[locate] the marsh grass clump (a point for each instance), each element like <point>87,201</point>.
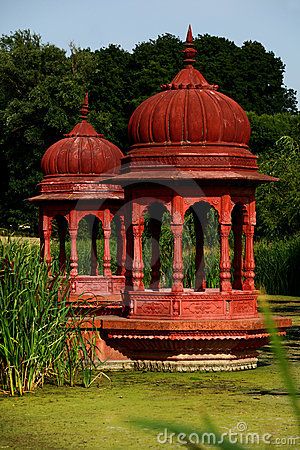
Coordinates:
<point>278,266</point>
<point>39,337</point>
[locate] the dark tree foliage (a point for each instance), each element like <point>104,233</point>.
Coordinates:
<point>41,89</point>
<point>249,74</point>
<point>154,63</point>
<point>278,204</point>
<point>106,75</point>
<point>38,101</point>
<point>268,129</point>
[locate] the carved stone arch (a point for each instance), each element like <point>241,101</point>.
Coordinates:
<point>203,211</point>
<point>60,216</point>
<point>214,202</point>
<point>55,212</point>
<point>147,234</point>
<point>156,209</point>
<point>60,225</point>
<point>242,206</point>
<point>148,202</point>
<point>203,205</point>
<point>88,260</point>
<point>83,214</point>
<point>239,215</point>
<point>246,212</point>
<point>118,236</point>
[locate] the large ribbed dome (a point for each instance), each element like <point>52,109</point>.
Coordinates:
<point>82,151</point>
<point>189,110</point>
<point>189,125</point>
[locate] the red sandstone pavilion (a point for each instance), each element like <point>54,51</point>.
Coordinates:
<point>189,151</point>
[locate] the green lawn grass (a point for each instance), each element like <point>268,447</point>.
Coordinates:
<point>102,417</point>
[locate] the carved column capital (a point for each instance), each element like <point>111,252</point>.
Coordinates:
<point>176,229</point>
<point>225,230</point>
<point>137,230</point>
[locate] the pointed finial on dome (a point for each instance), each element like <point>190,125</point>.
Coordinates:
<point>84,128</point>
<point>85,107</point>
<point>189,52</point>
<point>189,36</point>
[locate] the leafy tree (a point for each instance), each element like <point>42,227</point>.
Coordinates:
<point>154,63</point>
<point>278,204</point>
<point>263,77</point>
<point>38,102</point>
<point>249,74</point>
<point>218,60</point>
<point>105,73</point>
<point>267,129</point>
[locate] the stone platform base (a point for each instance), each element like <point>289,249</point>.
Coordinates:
<point>118,365</point>
<point>205,365</point>
<point>218,363</point>
<point>181,345</point>
<point>188,345</point>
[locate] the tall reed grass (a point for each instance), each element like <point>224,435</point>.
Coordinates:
<point>39,338</point>
<point>278,266</point>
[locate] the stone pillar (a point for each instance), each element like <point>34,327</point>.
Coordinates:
<point>237,229</point>
<point>177,261</point>
<point>249,263</point>
<point>73,255</point>
<point>73,231</point>
<point>138,264</point>
<point>47,247</point>
<point>121,246</point>
<point>225,264</point>
<point>177,228</point>
<point>41,234</point>
<point>155,229</point>
<point>94,256</point>
<point>107,234</point>
<point>200,281</point>
<point>45,236</point>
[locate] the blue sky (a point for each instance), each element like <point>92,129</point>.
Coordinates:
<point>96,23</point>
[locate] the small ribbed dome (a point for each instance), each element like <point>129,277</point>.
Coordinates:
<point>74,167</point>
<point>82,151</point>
